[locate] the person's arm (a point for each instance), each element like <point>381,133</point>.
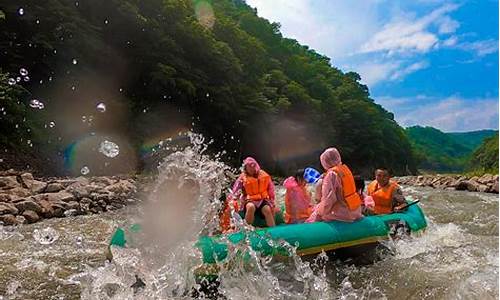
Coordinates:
<point>328,194</point>
<point>398,199</point>
<point>271,192</point>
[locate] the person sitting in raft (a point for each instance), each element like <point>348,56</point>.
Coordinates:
<point>386,193</point>
<point>257,192</point>
<point>339,200</point>
<point>297,199</point>
<point>367,203</point>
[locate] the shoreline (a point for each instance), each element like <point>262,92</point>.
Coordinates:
<point>25,199</point>
<point>487,183</point>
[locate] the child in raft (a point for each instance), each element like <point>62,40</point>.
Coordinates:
<point>297,199</point>
<point>367,201</point>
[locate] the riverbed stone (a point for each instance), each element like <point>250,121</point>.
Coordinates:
<point>31,216</point>
<point>8,209</point>
<point>54,187</point>
<point>482,188</point>
<point>73,205</point>
<point>28,205</point>
<point>9,182</point>
<point>19,192</point>
<point>122,187</point>
<point>21,220</point>
<point>8,219</point>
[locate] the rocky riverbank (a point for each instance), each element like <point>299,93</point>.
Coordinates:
<point>487,183</point>
<point>24,199</point>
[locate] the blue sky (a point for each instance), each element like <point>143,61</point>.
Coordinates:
<point>431,62</point>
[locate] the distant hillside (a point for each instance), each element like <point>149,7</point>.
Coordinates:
<point>445,152</point>
<point>485,157</point>
<point>472,139</point>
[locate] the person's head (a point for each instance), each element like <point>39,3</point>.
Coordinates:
<point>251,166</point>
<point>359,182</point>
<point>382,176</point>
<point>330,158</point>
<point>299,177</point>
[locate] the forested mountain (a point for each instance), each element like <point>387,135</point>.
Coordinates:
<point>165,65</point>
<point>485,157</point>
<point>445,152</point>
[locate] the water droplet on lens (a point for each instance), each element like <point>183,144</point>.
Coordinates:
<point>18,79</point>
<point>26,78</point>
<point>23,72</point>
<point>36,104</point>
<point>21,11</point>
<point>11,81</point>
<point>106,22</point>
<point>84,119</point>
<point>85,170</point>
<point>101,107</point>
<point>109,149</point>
<point>52,124</point>
<point>74,61</point>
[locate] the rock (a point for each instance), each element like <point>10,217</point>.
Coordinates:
<point>72,205</point>
<point>122,187</point>
<point>8,219</point>
<point>38,186</point>
<point>103,181</point>
<point>31,216</point>
<point>47,210</point>
<point>486,178</point>
<point>54,187</point>
<point>28,205</point>
<point>71,212</point>
<point>19,192</point>
<point>21,220</point>
<point>26,178</point>
<point>9,182</point>
<point>8,197</point>
<point>8,209</point>
<point>80,188</point>
<point>482,188</point>
<point>55,197</point>
<point>494,187</point>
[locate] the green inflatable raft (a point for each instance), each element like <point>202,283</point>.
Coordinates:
<point>309,238</point>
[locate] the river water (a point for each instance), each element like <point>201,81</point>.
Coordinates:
<point>455,258</point>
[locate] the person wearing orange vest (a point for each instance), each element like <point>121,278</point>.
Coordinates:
<point>297,199</point>
<point>386,193</point>
<point>256,190</point>
<point>339,198</point>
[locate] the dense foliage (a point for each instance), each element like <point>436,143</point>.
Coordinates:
<point>485,157</point>
<point>162,65</point>
<point>445,152</point>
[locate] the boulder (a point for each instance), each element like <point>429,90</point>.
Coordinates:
<point>122,187</point>
<point>72,205</point>
<point>31,216</point>
<point>8,209</point>
<point>54,187</point>
<point>486,178</point>
<point>466,185</point>
<point>47,210</point>
<point>28,205</point>
<point>8,219</point>
<point>494,187</point>
<point>18,192</point>
<point>9,182</point>
<point>55,197</point>
<point>26,179</point>
<point>80,188</point>
<point>103,181</point>
<point>482,188</point>
<point>8,198</point>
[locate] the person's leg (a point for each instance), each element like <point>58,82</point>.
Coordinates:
<point>250,213</point>
<point>268,215</point>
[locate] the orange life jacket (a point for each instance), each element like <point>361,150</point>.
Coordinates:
<point>351,196</point>
<point>256,188</point>
<point>382,196</point>
<point>297,211</point>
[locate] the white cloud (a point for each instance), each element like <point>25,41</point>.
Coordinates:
<point>404,34</point>
<point>480,48</point>
<point>447,25</point>
<point>401,73</point>
<point>373,73</point>
<point>449,114</point>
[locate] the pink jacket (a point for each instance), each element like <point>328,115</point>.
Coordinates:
<point>297,202</point>
<point>332,205</point>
